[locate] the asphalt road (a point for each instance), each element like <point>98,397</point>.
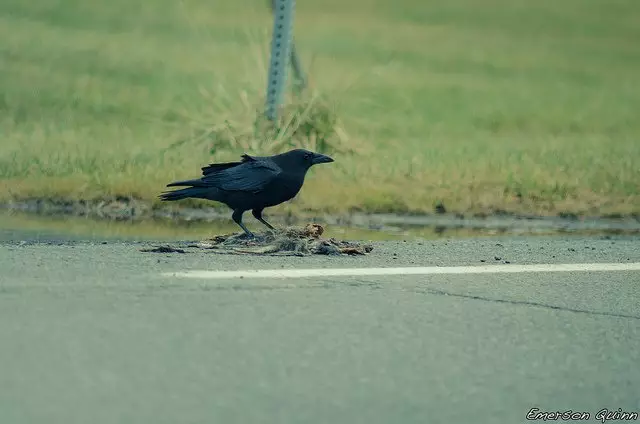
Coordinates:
<point>92,333</point>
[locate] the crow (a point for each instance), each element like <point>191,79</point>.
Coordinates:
<point>253,183</point>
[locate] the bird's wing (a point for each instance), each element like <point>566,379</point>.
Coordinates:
<point>216,167</point>
<point>251,175</point>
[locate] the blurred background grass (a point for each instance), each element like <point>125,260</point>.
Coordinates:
<point>480,105</point>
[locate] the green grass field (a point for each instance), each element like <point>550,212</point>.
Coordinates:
<point>484,105</point>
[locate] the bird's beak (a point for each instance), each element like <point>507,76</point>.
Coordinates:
<point>318,158</point>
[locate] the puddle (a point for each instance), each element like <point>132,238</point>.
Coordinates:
<point>530,224</point>
<point>22,226</point>
<point>35,227</point>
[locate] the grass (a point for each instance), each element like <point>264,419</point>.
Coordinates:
<point>483,106</point>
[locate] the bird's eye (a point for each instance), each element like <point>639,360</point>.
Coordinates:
<point>307,156</point>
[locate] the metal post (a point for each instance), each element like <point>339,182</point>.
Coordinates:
<point>280,53</point>
<point>298,72</point>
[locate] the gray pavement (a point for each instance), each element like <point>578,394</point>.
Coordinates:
<point>92,333</point>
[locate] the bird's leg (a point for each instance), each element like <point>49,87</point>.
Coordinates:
<point>237,217</point>
<point>257,213</point>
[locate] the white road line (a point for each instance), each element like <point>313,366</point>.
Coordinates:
<point>338,272</point>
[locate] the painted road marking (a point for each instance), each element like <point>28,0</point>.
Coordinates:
<point>429,270</point>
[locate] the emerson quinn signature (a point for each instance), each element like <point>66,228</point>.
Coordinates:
<point>604,415</point>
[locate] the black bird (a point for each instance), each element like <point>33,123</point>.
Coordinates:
<point>254,183</point>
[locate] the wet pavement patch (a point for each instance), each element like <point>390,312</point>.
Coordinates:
<point>163,249</point>
<point>20,226</point>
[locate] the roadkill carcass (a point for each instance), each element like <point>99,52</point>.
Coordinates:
<point>290,241</point>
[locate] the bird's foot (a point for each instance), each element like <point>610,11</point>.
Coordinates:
<point>246,236</point>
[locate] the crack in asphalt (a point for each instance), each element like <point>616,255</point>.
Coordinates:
<point>523,303</point>
<point>365,283</point>
<point>331,284</point>
<point>438,292</point>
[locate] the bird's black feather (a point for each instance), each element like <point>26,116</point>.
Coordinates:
<point>249,176</point>
<point>216,167</point>
<point>254,183</point>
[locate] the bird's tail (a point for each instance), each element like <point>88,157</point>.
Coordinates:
<point>185,193</point>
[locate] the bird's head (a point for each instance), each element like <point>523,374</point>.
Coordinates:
<point>306,159</point>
